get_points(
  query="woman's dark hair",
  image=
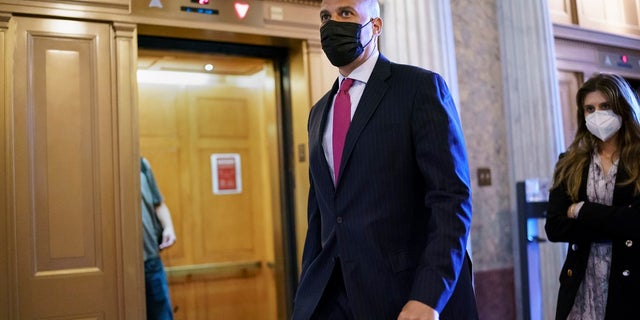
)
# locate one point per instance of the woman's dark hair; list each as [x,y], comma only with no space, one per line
[623,101]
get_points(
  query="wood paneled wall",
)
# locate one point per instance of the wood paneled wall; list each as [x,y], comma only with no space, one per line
[69,186]
[615,16]
[71,206]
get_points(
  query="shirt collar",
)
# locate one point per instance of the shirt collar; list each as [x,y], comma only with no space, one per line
[364,71]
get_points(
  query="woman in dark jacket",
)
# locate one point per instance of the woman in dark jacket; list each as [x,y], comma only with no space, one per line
[594,205]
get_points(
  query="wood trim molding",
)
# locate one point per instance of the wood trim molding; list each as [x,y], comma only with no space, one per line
[124,30]
[5,18]
[82,8]
[124,57]
[596,37]
[305,2]
[220,270]
[8,277]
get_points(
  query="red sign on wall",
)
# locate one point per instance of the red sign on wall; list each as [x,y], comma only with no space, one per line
[226,174]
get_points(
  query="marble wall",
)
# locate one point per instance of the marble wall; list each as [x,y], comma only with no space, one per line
[483,120]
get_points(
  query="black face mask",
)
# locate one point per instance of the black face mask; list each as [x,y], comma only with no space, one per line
[341,41]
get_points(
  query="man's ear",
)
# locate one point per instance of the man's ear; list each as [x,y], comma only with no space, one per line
[377,26]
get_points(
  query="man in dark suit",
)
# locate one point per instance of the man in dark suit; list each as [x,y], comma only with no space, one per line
[389,206]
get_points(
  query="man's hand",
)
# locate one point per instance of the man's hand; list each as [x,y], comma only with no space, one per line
[168,234]
[168,238]
[416,310]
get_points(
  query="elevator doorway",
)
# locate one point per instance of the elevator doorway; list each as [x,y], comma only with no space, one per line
[212,123]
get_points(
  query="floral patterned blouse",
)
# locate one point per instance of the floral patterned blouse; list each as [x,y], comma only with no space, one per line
[591,300]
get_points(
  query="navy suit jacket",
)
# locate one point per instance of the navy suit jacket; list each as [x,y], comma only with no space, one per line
[400,214]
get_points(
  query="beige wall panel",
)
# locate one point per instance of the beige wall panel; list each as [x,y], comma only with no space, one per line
[213,299]
[323,73]
[568,84]
[232,299]
[594,10]
[224,121]
[563,11]
[222,118]
[158,111]
[615,16]
[183,300]
[64,171]
[64,155]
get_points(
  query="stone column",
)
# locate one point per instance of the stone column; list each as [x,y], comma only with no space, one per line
[534,128]
[420,33]
[532,103]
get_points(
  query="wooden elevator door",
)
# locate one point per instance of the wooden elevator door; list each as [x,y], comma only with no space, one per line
[68,172]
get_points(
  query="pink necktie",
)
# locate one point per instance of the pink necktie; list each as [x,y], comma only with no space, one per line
[341,121]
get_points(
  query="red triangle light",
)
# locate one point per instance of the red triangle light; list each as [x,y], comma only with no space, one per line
[241,9]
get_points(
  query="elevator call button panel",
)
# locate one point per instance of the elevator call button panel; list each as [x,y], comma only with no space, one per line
[245,12]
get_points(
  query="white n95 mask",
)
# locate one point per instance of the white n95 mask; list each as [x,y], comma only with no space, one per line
[603,123]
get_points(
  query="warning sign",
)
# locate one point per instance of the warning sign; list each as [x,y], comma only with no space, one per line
[226,173]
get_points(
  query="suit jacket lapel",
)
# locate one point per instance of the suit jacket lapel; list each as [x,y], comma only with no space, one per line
[371,97]
[317,133]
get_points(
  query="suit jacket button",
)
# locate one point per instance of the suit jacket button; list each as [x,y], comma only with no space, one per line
[626,273]
[628,243]
[574,247]
[339,220]
[569,272]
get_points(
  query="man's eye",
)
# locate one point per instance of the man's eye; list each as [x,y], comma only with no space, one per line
[345,13]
